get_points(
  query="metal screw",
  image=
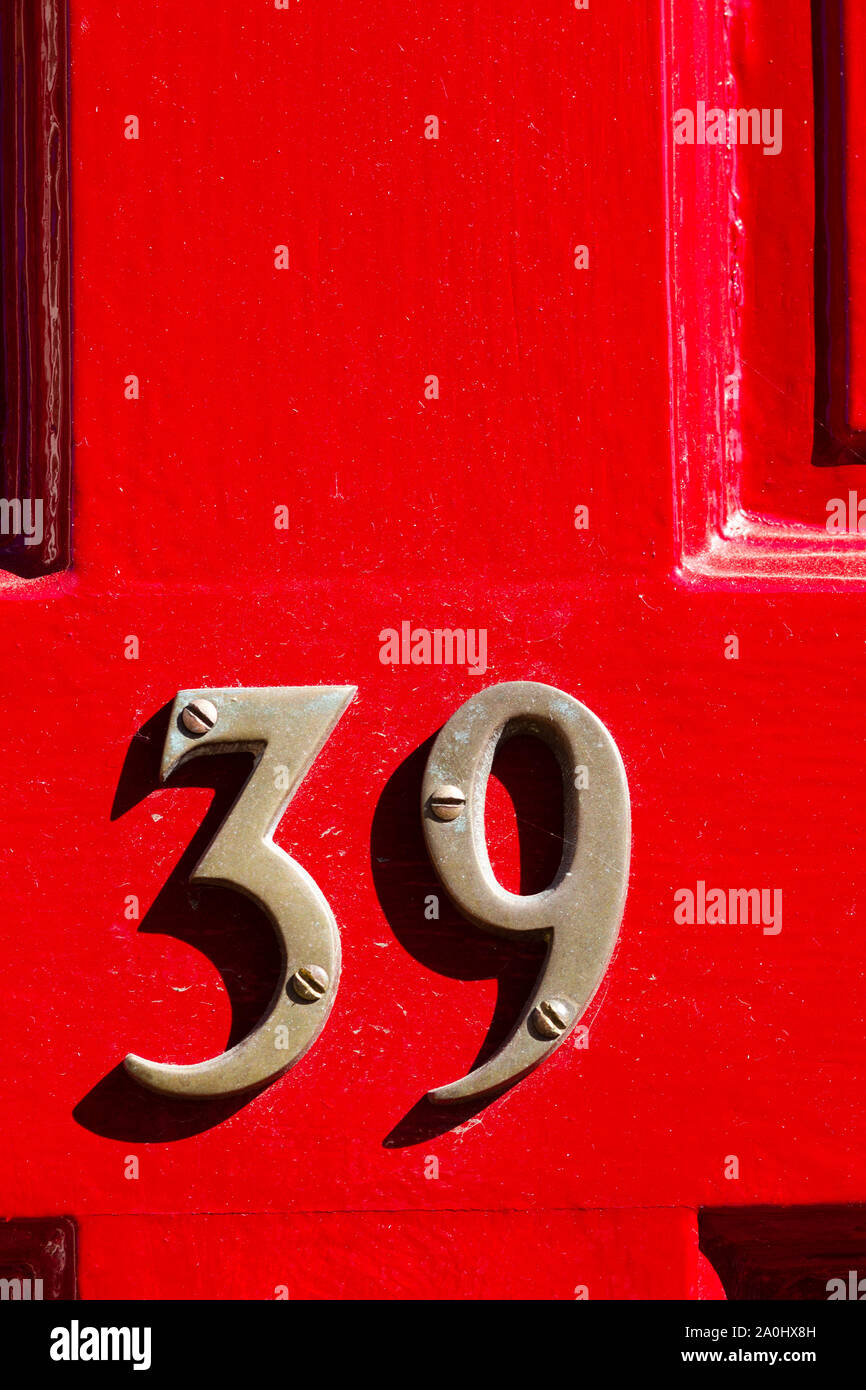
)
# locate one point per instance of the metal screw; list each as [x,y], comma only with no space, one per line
[551,1017]
[199,716]
[309,982]
[447,803]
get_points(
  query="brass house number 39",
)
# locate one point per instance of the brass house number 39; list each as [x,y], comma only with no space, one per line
[578,914]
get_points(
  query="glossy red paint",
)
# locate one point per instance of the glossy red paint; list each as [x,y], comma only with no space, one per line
[405,1254]
[304,388]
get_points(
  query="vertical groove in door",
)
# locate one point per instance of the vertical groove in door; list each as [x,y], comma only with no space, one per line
[35,502]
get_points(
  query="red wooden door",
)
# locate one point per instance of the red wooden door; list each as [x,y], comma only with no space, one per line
[389,315]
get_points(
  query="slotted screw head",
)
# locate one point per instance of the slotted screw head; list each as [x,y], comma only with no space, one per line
[551,1017]
[447,803]
[199,716]
[309,983]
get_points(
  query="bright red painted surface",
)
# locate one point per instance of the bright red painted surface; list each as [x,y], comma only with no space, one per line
[305,387]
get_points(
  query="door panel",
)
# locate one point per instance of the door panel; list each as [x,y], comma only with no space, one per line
[280,489]
[35,345]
